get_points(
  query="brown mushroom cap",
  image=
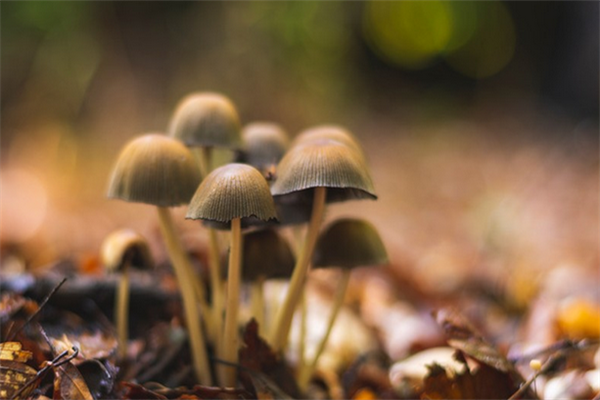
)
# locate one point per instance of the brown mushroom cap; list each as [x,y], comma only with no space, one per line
[232,191]
[264,144]
[154,169]
[349,243]
[206,119]
[331,132]
[324,163]
[125,246]
[266,254]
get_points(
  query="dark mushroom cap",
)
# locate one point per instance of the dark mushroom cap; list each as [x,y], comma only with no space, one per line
[266,254]
[331,132]
[206,119]
[154,169]
[324,163]
[349,243]
[232,191]
[125,246]
[264,145]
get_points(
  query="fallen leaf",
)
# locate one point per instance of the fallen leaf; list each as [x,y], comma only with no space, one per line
[69,384]
[13,351]
[16,378]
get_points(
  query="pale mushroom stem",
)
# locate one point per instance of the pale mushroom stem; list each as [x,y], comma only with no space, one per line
[121,308]
[230,343]
[283,320]
[216,285]
[203,156]
[183,272]
[302,340]
[338,301]
[257,303]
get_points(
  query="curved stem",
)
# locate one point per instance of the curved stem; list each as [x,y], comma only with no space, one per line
[257,302]
[286,312]
[216,285]
[301,366]
[121,311]
[338,301]
[183,273]
[230,342]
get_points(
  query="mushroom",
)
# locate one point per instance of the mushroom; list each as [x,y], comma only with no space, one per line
[346,243]
[264,145]
[158,170]
[204,120]
[331,132]
[228,194]
[120,250]
[325,170]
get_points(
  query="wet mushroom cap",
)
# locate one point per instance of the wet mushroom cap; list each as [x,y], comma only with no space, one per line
[206,119]
[125,246]
[154,169]
[324,163]
[232,191]
[264,144]
[349,243]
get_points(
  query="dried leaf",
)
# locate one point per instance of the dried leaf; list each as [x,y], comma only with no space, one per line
[132,391]
[69,384]
[14,376]
[12,351]
[91,345]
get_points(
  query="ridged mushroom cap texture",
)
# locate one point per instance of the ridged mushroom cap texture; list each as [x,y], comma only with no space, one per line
[125,245]
[232,191]
[349,243]
[332,132]
[324,163]
[154,169]
[264,144]
[206,119]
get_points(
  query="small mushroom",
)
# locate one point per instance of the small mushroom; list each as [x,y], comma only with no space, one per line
[331,132]
[264,145]
[229,194]
[326,171]
[121,250]
[158,170]
[346,243]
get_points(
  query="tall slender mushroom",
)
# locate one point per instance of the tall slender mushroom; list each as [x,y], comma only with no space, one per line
[325,170]
[346,243]
[158,170]
[228,194]
[204,120]
[120,250]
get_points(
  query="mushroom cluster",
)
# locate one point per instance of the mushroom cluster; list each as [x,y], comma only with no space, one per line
[271,183]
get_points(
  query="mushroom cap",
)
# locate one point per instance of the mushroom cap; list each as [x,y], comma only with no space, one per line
[206,119]
[332,132]
[324,163]
[264,144]
[125,246]
[349,243]
[266,254]
[232,191]
[154,169]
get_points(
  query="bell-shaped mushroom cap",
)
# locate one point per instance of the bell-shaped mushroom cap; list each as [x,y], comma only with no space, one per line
[125,246]
[324,163]
[331,132]
[232,191]
[349,243]
[206,119]
[264,144]
[154,169]
[266,254]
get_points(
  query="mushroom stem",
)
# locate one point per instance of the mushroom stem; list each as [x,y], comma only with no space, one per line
[302,340]
[121,308]
[338,301]
[286,312]
[203,156]
[217,287]
[257,301]
[230,342]
[183,273]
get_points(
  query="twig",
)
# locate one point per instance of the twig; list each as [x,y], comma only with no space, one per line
[548,365]
[35,314]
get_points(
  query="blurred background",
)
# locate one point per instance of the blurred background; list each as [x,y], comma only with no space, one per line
[480,119]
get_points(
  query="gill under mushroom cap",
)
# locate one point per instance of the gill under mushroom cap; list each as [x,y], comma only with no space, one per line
[349,243]
[206,119]
[324,163]
[232,191]
[125,246]
[154,169]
